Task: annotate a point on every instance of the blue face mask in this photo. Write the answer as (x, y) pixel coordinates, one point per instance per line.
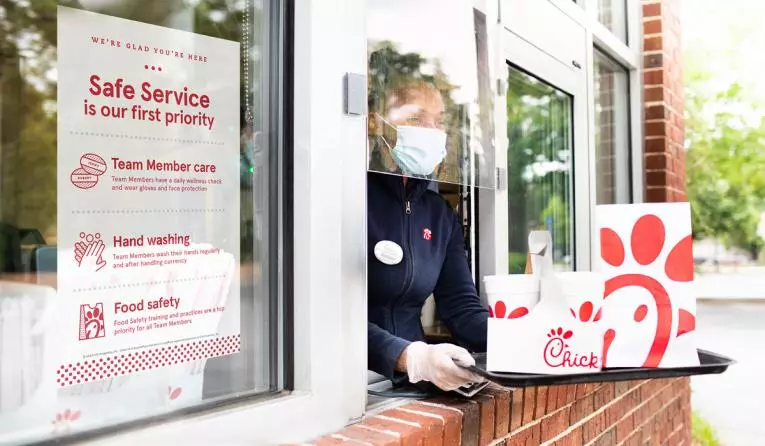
(418, 150)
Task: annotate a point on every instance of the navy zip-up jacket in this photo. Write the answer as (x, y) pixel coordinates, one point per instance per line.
(424, 225)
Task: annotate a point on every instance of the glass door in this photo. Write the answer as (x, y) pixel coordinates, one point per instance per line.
(547, 157)
(540, 167)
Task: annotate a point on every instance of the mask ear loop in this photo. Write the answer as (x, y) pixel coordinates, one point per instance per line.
(390, 149)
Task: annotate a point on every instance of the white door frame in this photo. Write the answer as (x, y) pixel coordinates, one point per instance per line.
(523, 51)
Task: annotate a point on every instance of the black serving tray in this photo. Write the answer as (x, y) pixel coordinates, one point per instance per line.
(710, 363)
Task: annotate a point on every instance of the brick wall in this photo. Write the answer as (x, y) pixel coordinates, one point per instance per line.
(652, 412)
(663, 95)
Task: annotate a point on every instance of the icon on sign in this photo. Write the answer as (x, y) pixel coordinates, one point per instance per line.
(92, 321)
(91, 167)
(88, 252)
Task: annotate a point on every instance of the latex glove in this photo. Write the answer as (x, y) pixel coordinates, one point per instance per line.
(436, 364)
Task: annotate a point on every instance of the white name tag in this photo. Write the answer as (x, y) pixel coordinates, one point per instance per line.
(388, 252)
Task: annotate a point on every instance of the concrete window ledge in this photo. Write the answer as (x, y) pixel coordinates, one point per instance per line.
(651, 412)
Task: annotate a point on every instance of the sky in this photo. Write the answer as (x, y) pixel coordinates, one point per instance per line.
(726, 39)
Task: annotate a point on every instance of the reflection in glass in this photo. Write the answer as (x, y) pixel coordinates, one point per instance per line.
(613, 15)
(540, 162)
(28, 226)
(611, 132)
(429, 92)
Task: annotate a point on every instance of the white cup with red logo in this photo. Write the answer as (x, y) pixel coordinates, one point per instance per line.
(583, 291)
(511, 296)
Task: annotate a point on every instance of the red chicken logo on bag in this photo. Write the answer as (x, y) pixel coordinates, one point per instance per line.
(647, 242)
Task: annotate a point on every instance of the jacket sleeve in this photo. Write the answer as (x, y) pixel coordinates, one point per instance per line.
(383, 350)
(456, 297)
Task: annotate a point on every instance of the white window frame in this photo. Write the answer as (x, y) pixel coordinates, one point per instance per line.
(493, 236)
(329, 253)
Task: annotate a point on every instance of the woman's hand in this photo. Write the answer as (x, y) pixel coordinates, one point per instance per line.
(437, 364)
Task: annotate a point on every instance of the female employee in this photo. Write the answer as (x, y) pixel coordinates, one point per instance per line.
(427, 253)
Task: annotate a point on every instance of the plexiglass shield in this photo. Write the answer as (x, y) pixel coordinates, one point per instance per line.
(429, 91)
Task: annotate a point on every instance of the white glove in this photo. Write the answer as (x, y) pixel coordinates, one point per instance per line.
(436, 364)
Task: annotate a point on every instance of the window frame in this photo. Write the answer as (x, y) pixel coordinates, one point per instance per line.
(326, 321)
(626, 54)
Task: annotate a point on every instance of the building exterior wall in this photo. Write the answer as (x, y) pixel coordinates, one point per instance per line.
(650, 412)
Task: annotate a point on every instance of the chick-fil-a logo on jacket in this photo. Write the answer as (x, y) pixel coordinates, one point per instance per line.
(557, 352)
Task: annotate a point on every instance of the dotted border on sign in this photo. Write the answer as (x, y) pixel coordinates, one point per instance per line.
(108, 367)
(147, 138)
(154, 282)
(146, 211)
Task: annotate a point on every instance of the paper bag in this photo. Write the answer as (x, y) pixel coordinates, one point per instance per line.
(649, 314)
(544, 322)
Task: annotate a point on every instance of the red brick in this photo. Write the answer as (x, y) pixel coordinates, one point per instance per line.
(452, 420)
(471, 418)
(570, 393)
(534, 437)
(487, 423)
(581, 390)
(655, 60)
(652, 27)
(607, 438)
(408, 435)
(529, 402)
(573, 438)
(653, 93)
(603, 395)
(653, 112)
(656, 128)
(656, 178)
(653, 43)
(554, 424)
(634, 439)
(501, 410)
(519, 438)
(656, 161)
(581, 409)
(552, 398)
(433, 427)
(516, 409)
(652, 10)
(624, 428)
(654, 77)
(541, 404)
(359, 433)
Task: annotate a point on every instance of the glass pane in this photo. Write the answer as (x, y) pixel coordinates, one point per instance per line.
(611, 132)
(613, 15)
(540, 166)
(430, 92)
(135, 238)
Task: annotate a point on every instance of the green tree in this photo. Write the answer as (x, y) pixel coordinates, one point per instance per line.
(725, 136)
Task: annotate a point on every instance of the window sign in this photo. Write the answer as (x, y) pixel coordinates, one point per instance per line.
(148, 197)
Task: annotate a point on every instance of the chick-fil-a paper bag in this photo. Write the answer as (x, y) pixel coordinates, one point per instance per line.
(649, 313)
(559, 333)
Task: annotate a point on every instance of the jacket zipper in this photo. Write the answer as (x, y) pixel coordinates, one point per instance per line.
(407, 250)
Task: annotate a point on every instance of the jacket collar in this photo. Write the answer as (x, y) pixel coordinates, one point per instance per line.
(394, 184)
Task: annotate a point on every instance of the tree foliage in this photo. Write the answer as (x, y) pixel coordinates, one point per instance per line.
(725, 136)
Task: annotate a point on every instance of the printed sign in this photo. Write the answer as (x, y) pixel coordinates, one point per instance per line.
(148, 196)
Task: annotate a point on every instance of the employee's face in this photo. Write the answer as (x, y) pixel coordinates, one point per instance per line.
(424, 109)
